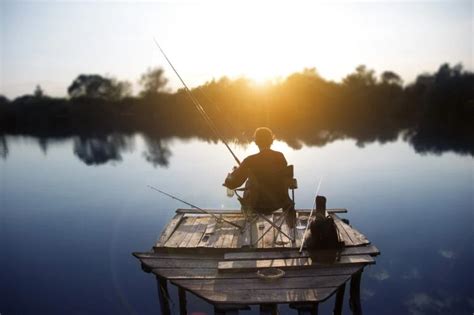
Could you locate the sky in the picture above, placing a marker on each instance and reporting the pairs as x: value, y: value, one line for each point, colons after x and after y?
x: 51, y: 42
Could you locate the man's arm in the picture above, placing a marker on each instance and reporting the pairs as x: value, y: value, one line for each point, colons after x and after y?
x: 237, y: 177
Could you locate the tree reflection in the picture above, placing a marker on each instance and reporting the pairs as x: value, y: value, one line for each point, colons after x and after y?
x: 97, y: 150
x: 157, y: 153
x: 3, y: 147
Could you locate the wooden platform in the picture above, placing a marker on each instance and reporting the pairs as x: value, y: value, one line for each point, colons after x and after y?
x: 218, y: 263
x: 192, y: 229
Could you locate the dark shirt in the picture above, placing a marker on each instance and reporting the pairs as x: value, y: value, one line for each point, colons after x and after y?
x: 267, y: 184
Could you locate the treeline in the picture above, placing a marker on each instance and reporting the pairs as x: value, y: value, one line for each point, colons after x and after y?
x: 435, y: 113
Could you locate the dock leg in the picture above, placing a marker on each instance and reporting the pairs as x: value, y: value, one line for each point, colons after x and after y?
x: 339, y: 300
x: 305, y: 308
x: 182, y: 301
x: 354, y: 299
x: 268, y: 309
x: 163, y: 295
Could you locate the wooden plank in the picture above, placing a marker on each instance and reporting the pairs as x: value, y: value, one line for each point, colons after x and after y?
x: 176, y: 255
x: 180, y: 232
x: 180, y: 263
x: 254, y: 233
x: 359, y: 250
x: 299, y: 232
x: 222, y: 233
x: 199, y: 232
x: 347, y: 237
x: 343, y: 234
x: 267, y: 240
x: 239, y: 212
x: 190, y: 232
x: 360, y: 236
x: 278, y: 236
x: 213, y: 273
x: 214, y: 236
x: 283, y: 283
x: 225, y: 236
x: 286, y: 229
x: 237, y: 234
x: 245, y: 238
x: 235, y: 265
x: 333, y: 210
x: 229, y: 232
x: 169, y: 229
x: 356, y: 238
x: 210, y: 228
x: 249, y: 296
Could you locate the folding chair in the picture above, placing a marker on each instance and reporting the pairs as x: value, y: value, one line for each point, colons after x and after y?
x: 253, y: 215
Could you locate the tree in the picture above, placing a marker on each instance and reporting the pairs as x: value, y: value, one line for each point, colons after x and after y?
x: 96, y: 86
x: 390, y: 77
x: 362, y: 77
x: 38, y: 93
x: 4, y: 100
x: 153, y: 81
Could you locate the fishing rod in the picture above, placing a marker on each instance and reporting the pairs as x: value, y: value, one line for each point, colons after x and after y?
x: 310, y: 215
x: 198, y: 106
x: 218, y: 219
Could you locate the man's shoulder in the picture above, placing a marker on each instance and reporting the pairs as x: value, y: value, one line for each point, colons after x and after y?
x: 250, y: 158
x: 263, y: 155
x: 276, y: 152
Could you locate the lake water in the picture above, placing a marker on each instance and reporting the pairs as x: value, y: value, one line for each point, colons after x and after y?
x: 68, y: 228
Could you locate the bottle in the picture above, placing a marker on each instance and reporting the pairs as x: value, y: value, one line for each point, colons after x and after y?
x: 230, y: 193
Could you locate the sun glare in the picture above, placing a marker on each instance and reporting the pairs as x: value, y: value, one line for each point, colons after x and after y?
x: 271, y: 41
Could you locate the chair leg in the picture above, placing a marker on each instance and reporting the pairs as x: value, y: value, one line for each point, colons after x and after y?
x: 276, y: 226
x: 273, y: 225
x: 283, y: 218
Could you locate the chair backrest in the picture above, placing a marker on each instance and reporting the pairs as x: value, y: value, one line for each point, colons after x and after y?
x: 289, y: 177
x: 280, y: 182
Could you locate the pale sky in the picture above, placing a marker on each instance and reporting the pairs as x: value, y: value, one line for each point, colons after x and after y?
x: 51, y: 42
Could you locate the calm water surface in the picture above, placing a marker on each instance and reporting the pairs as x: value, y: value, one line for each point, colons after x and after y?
x: 67, y: 229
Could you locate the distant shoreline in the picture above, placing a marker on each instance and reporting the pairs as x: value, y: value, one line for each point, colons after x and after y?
x: 435, y: 113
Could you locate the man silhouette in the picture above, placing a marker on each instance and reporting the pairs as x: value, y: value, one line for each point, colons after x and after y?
x: 266, y: 189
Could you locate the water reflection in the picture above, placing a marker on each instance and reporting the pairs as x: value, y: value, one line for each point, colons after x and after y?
x: 3, y: 147
x: 105, y: 148
x: 416, y: 210
x: 97, y: 150
x: 157, y: 151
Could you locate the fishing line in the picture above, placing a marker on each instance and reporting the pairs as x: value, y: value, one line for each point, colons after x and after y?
x: 218, y: 219
x: 198, y: 106
x: 210, y: 101
x: 310, y: 215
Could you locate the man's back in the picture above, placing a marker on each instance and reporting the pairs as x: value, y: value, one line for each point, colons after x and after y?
x: 267, y: 180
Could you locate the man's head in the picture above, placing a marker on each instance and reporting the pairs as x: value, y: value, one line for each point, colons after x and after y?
x: 263, y: 137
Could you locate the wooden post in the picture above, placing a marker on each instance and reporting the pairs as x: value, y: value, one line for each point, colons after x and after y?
x: 182, y: 301
x: 321, y: 206
x: 268, y: 309
x: 354, y: 300
x: 305, y: 308
x: 163, y: 295
x: 339, y: 300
